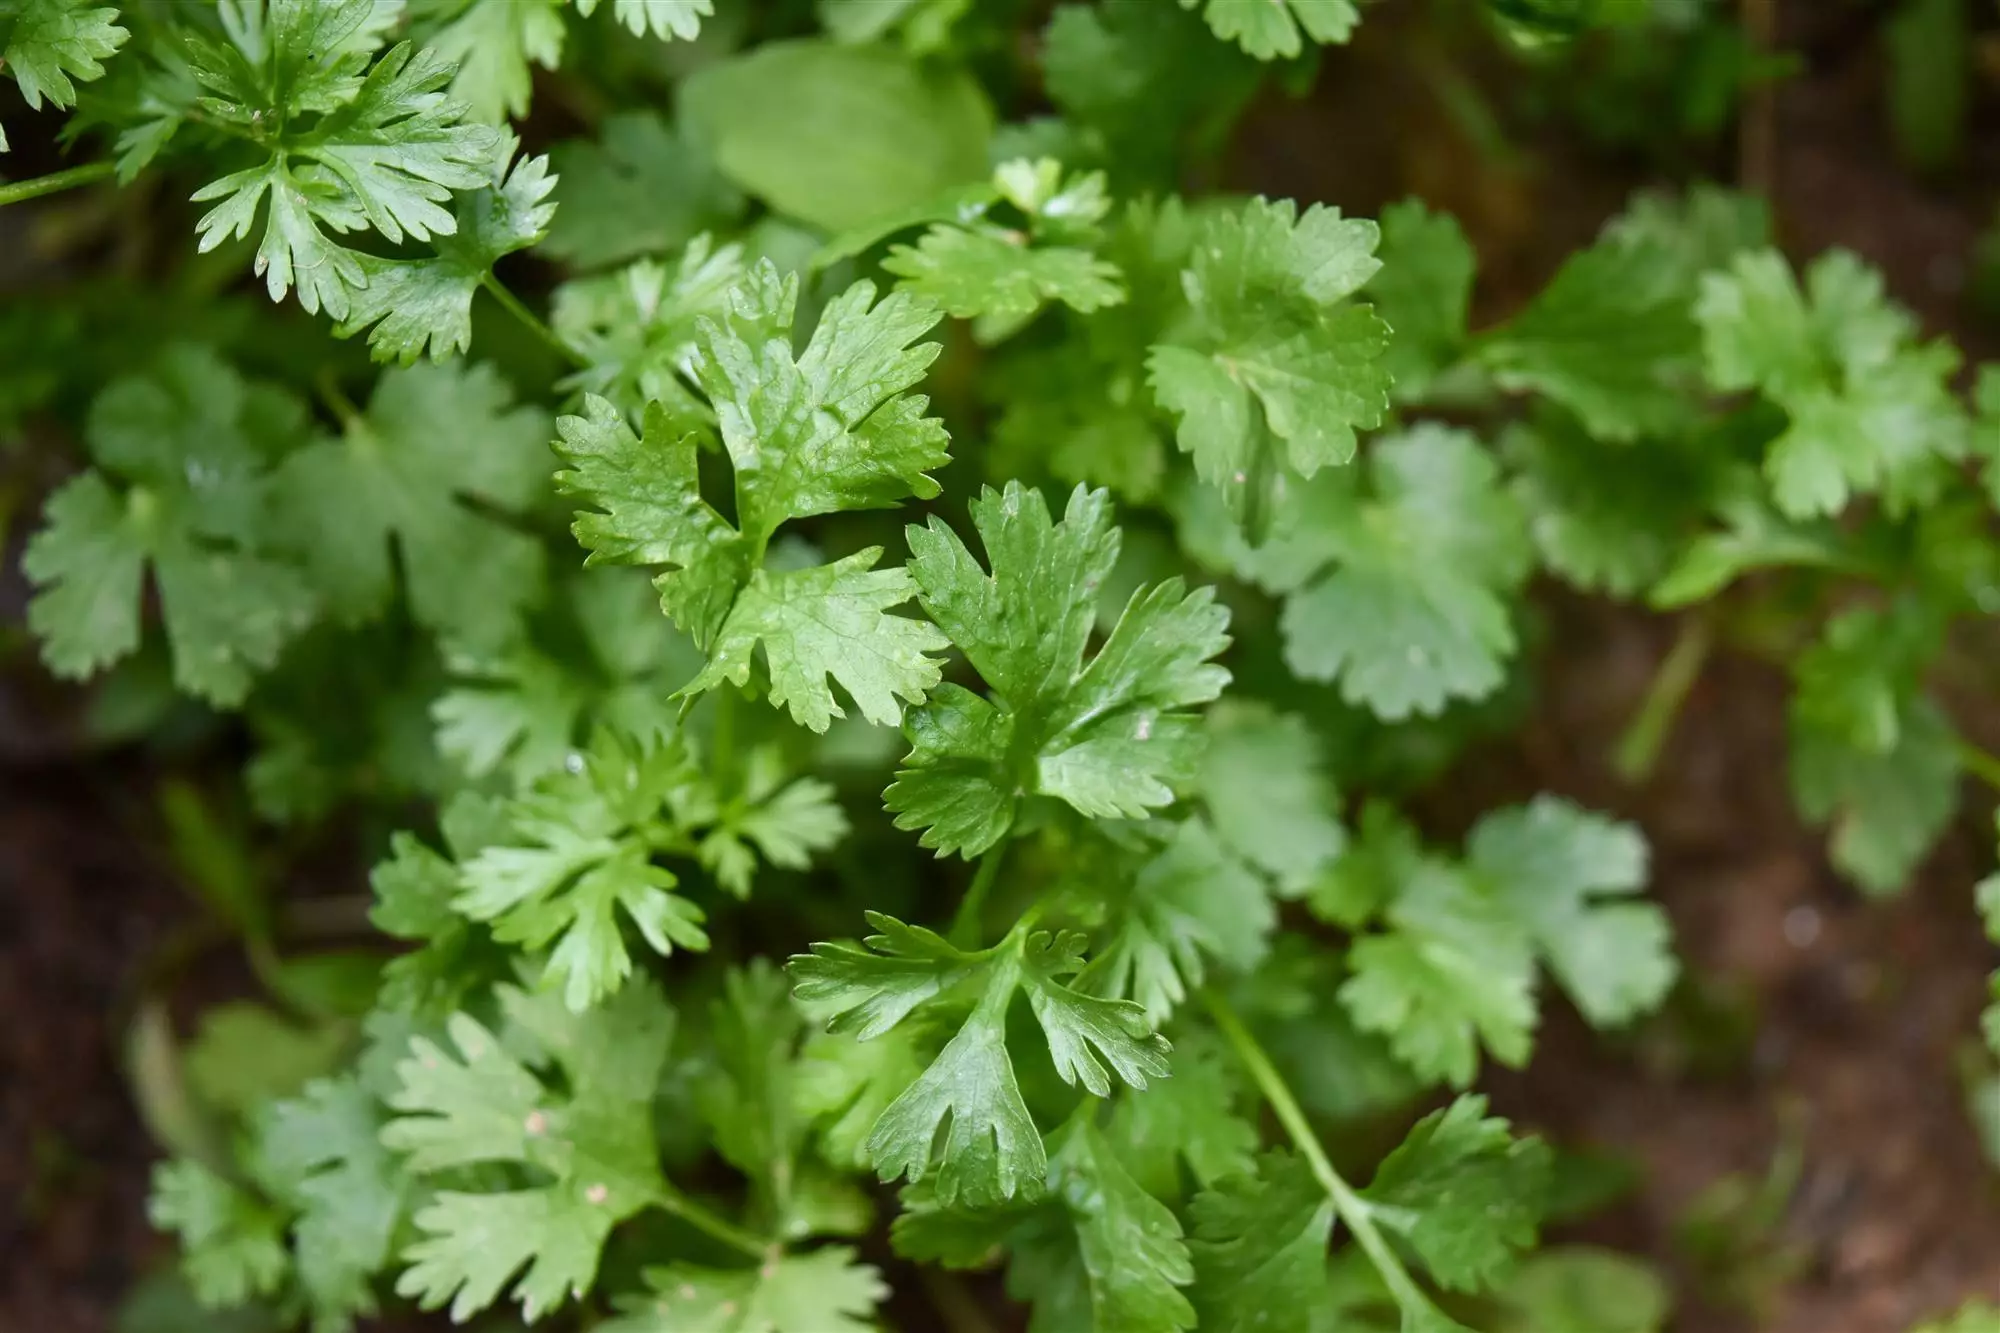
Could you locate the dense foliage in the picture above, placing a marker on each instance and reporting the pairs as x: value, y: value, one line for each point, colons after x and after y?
x: 1183, y: 538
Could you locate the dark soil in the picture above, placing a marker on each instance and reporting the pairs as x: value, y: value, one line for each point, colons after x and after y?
x: 1856, y: 1011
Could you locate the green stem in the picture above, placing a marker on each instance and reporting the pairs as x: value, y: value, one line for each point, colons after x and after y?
x: 1354, y: 1211
x: 1639, y: 748
x: 965, y: 926
x: 1980, y: 763
x: 530, y: 320
x: 55, y: 182
x: 718, y: 1228
x: 336, y: 400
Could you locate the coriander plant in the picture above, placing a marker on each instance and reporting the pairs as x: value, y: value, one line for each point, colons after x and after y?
x: 883, y: 648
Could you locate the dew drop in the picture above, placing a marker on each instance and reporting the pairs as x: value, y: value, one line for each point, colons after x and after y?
x: 597, y: 1194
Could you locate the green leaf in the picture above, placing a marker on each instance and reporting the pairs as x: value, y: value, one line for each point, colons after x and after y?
x: 1196, y: 1117
x: 1870, y: 753
x: 400, y: 485
x: 825, y: 1291
x: 1423, y: 293
x: 992, y: 1151
x: 748, y: 1103
x: 1975, y: 1317
x: 1413, y: 612
x: 354, y: 145
x: 1465, y: 1193
x: 492, y: 44
x: 1611, y: 339
x: 837, y: 136
x: 1133, y: 1257
x: 1192, y: 903
x: 1108, y: 737
x: 1259, y: 1250
x: 190, y: 442
x: 1144, y: 84
x: 973, y: 266
x: 830, y: 429
x: 1870, y: 409
x: 1453, y: 970
x: 416, y: 306
x: 1609, y: 517
x: 593, y: 1140
x: 664, y: 19
x: 350, y: 1193
x: 576, y: 859
x: 232, y: 1245
x: 828, y: 621
x: 641, y: 187
x: 1264, y: 781
x: 638, y: 328
x: 1282, y: 371
x: 1269, y: 29
x: 1574, y: 1289
x: 52, y: 45
x: 1566, y: 875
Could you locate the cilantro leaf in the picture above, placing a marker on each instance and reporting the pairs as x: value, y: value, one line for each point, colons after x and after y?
x: 1192, y: 902
x: 640, y: 187
x: 1278, y: 371
x: 1554, y: 866
x: 400, y: 485
x: 491, y: 45
x: 347, y: 144
x: 1259, y: 1249
x: 992, y: 1150
x: 1413, y: 611
x: 1611, y: 339
x: 190, y: 442
x: 975, y: 266
x: 637, y: 329
x: 1143, y: 84
x: 232, y: 1244
x: 1870, y: 410
x: 1452, y: 970
x: 413, y: 892
x: 325, y: 1146
x: 593, y: 1144
x: 1269, y: 29
x: 831, y: 429
x: 1129, y: 1243
x: 1465, y: 1193
x: 1195, y: 1117
x: 824, y: 1291
x: 1264, y: 782
x: 598, y: 657
x: 1870, y: 754
x: 1423, y: 293
x: 414, y: 306
x: 1609, y: 517
x: 577, y: 857
x: 839, y: 137
x: 1107, y: 737
x: 51, y: 45
x: 827, y: 621
x: 665, y: 19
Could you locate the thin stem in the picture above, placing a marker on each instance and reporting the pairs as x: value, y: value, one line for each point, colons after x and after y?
x: 718, y: 1228
x: 1980, y: 763
x: 337, y: 402
x: 55, y: 182
x: 1639, y: 748
x: 965, y: 926
x: 1353, y: 1210
x: 530, y: 320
